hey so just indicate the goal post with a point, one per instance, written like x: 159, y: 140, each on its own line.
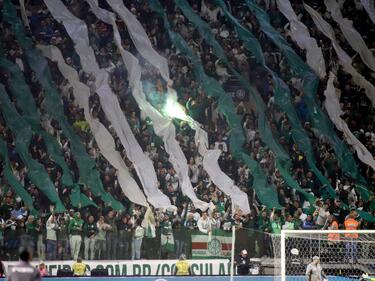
x: 342, y: 253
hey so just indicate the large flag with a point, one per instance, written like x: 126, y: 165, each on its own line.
x: 217, y: 244
x: 52, y: 105
x: 225, y: 107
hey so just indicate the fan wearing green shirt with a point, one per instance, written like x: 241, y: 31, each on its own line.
x: 31, y: 229
x: 263, y: 219
x: 264, y: 226
x: 167, y: 239
x: 276, y: 221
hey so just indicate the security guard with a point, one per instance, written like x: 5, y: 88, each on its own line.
x: 243, y: 263
x: 79, y: 268
x: 24, y: 271
x: 182, y: 266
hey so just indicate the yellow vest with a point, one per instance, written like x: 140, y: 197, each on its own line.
x: 79, y: 269
x: 182, y: 268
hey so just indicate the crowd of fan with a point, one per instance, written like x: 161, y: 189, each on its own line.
x: 101, y: 233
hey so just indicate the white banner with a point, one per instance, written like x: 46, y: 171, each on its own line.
x: 332, y: 106
x: 77, y: 30
x: 23, y: 13
x: 343, y: 57
x: 140, y: 38
x: 210, y: 157
x: 163, y: 127
x: 102, y: 137
x: 300, y: 34
x: 369, y: 7
x: 354, y: 39
x: 140, y: 267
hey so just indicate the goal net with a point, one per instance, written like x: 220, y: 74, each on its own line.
x: 343, y: 255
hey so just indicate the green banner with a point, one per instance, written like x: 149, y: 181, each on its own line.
x: 12, y: 180
x: 23, y: 134
x: 283, y: 162
x: 266, y: 193
x: 88, y: 174
x: 282, y: 99
x: 319, y: 120
x: 26, y: 104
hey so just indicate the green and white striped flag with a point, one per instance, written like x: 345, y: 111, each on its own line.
x: 217, y: 244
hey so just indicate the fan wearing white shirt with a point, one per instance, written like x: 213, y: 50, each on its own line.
x: 205, y: 223
x: 220, y: 144
x: 172, y: 178
x: 193, y: 171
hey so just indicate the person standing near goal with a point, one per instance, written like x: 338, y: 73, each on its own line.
x: 243, y: 263
x: 314, y: 271
x: 351, y: 244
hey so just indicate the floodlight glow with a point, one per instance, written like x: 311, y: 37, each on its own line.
x: 173, y: 109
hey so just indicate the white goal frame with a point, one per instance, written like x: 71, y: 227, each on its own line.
x: 284, y: 235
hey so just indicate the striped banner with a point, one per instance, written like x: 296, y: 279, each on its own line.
x: 283, y: 100
x: 353, y: 37
x: 102, y: 136
x: 319, y: 119
x: 217, y: 244
x: 109, y: 102
x: 334, y: 111
x: 283, y: 162
x: 266, y: 193
x: 88, y: 174
x: 343, y: 58
x: 162, y: 126
x: 301, y: 35
x: 30, y: 114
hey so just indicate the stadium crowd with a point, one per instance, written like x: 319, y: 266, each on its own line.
x: 102, y: 233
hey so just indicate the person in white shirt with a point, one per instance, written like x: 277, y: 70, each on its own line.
x: 249, y: 131
x: 172, y: 178
x: 288, y: 223
x: 139, y: 233
x: 322, y: 213
x: 194, y: 171
x: 51, y: 244
x: 220, y: 144
x: 205, y: 224
x: 210, y: 11
x: 218, y: 220
x: 196, y: 215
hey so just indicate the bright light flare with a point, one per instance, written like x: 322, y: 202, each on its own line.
x: 173, y: 109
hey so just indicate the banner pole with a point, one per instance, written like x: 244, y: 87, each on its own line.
x: 232, y: 253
